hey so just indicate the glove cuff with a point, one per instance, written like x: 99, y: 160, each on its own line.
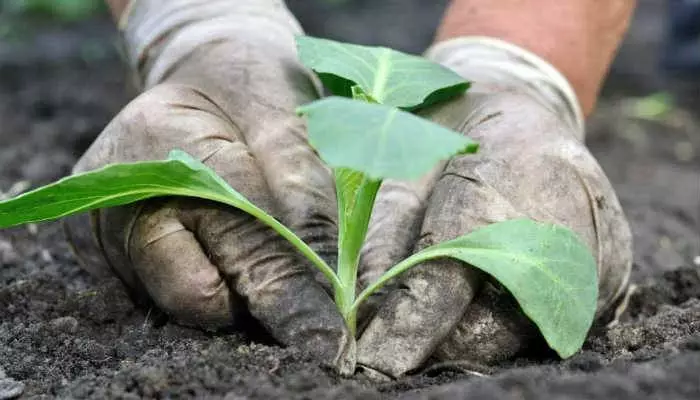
x: 158, y: 34
x: 494, y: 62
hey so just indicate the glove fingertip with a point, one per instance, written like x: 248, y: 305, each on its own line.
x: 416, y: 318
x: 494, y: 329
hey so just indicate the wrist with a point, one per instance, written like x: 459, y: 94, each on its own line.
x: 495, y: 66
x: 158, y: 35
x: 578, y: 37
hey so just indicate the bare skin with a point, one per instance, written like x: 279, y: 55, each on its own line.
x: 579, y: 37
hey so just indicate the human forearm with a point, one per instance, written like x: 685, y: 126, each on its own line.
x: 579, y: 37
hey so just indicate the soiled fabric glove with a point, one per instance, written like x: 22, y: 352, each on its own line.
x: 222, y: 82
x: 532, y: 163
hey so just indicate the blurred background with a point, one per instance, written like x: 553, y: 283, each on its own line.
x: 62, y: 79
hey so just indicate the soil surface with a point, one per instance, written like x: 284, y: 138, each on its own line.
x: 63, y: 334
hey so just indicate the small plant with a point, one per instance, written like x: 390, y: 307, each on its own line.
x: 366, y: 133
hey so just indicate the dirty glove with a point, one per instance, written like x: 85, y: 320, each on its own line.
x: 222, y: 82
x: 532, y: 163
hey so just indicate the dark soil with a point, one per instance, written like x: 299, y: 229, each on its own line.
x: 65, y: 335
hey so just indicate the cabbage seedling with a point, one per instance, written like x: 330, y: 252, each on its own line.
x: 366, y: 133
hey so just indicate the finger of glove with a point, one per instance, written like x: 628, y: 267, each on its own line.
x: 394, y: 225
x: 398, y: 213
x: 276, y: 284
x: 173, y: 268
x: 257, y: 77
x: 164, y: 118
x: 393, y: 229
x: 492, y: 330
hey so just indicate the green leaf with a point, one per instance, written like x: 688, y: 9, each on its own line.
x: 115, y: 185
x: 547, y: 268
x: 379, y: 141
x: 388, y: 76
x: 121, y: 184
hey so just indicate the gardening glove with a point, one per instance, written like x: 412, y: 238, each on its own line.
x: 532, y: 163
x: 222, y: 83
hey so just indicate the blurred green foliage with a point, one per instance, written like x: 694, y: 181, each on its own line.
x: 62, y: 10
x: 654, y: 107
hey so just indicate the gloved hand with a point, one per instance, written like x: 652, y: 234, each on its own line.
x: 223, y: 82
x: 532, y: 163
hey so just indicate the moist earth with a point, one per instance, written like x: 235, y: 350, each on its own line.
x: 63, y: 334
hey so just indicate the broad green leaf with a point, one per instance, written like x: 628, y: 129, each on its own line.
x: 548, y: 269
x: 115, y: 185
x: 379, y: 141
x: 388, y: 76
x: 121, y: 184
